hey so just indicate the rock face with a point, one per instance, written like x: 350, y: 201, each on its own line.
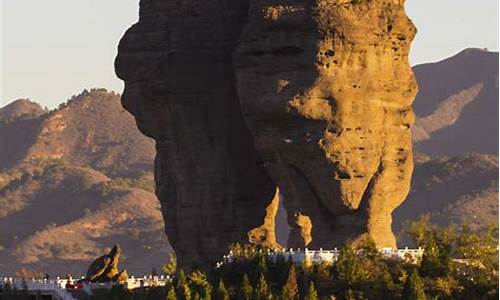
x: 180, y: 85
x: 324, y: 87
x: 105, y: 268
x: 327, y: 90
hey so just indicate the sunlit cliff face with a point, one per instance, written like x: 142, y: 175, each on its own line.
x: 327, y: 90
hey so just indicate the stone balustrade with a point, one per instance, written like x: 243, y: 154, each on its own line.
x: 61, y: 285
x: 298, y: 256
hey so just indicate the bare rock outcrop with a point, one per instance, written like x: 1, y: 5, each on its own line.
x: 327, y: 89
x: 180, y: 86
x: 105, y: 268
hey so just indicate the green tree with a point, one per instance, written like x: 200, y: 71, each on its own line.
x: 349, y: 295
x: 290, y: 289
x: 171, y: 267
x: 258, y: 267
x: 182, y: 286
x: 171, y: 295
x: 222, y: 293
x: 413, y: 288
x: 246, y: 289
x: 262, y: 289
x: 200, y: 285
x: 436, y: 260
x: 348, y: 267
x: 118, y: 292
x: 312, y: 294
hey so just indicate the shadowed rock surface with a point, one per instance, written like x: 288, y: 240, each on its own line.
x: 180, y: 86
x: 105, y: 268
x: 326, y: 90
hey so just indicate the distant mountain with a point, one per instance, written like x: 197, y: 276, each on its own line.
x: 460, y: 190
x: 456, y: 138
x: 20, y: 109
x: 91, y: 129
x: 457, y: 106
x: 74, y: 181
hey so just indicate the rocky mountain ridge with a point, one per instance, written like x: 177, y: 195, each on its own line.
x: 88, y: 160
x: 457, y: 108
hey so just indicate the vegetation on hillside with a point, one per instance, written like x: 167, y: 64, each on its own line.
x: 457, y: 264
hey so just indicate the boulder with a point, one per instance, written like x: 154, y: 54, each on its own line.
x: 105, y: 268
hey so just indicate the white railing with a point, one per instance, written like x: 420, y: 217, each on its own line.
x: 43, y: 286
x: 60, y: 286
x: 330, y: 256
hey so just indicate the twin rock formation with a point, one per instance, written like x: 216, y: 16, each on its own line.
x: 253, y: 101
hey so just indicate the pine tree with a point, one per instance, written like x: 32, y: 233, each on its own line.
x: 200, y: 284
x: 414, y: 288
x: 222, y: 293
x: 182, y: 286
x: 348, y: 267
x: 350, y: 295
x: 246, y: 289
x: 170, y: 268
x: 436, y: 260
x: 312, y: 294
x: 196, y: 296
x: 258, y: 267
x: 171, y: 294
x: 290, y: 289
x: 262, y: 289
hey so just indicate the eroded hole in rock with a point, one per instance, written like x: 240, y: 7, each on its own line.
x: 330, y: 52
x: 342, y: 175
x: 289, y: 50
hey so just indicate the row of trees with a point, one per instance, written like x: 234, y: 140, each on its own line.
x: 457, y: 264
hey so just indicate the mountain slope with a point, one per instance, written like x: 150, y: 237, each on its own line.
x: 98, y: 212
x: 74, y: 181
x: 20, y: 109
x: 463, y: 190
x: 457, y: 106
x: 90, y: 129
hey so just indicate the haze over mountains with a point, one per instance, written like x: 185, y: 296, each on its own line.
x: 77, y: 179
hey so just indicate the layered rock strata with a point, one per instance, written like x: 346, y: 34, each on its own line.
x: 326, y: 89
x: 180, y: 86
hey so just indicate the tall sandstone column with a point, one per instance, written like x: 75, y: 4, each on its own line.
x: 180, y: 86
x: 326, y: 89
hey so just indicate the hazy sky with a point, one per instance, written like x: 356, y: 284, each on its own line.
x: 53, y: 49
